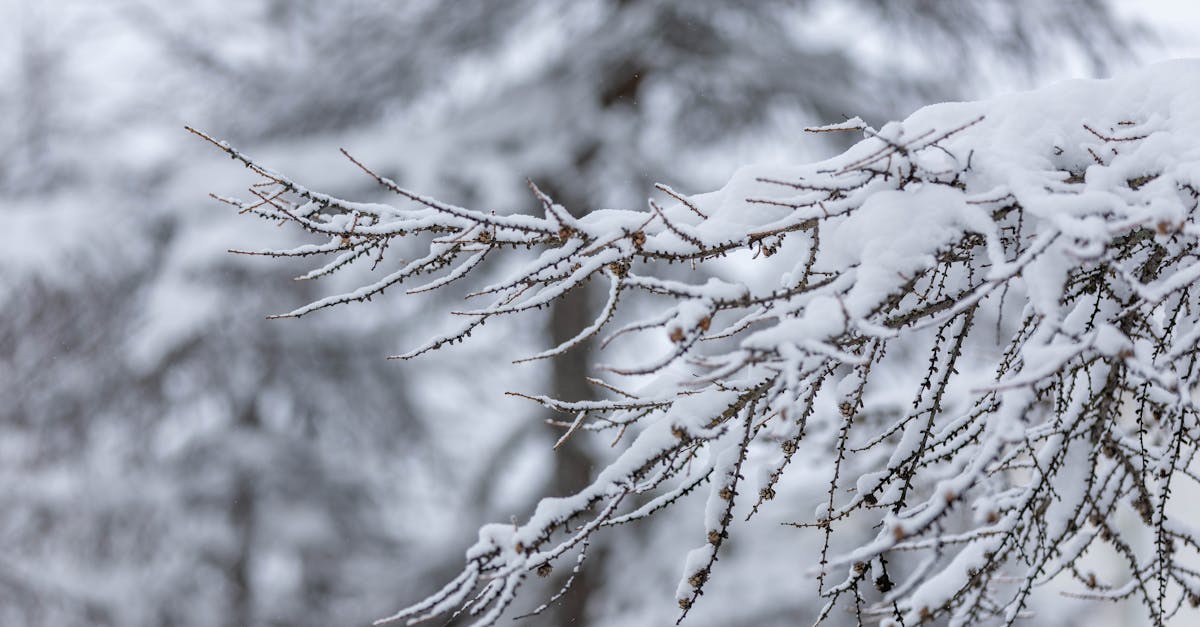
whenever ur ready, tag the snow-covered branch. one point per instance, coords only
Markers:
(991, 320)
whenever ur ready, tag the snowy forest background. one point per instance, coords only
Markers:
(170, 458)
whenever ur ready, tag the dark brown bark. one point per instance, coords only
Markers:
(572, 461)
(242, 519)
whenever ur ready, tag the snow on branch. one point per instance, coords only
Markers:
(1027, 265)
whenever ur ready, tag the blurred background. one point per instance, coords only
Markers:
(169, 458)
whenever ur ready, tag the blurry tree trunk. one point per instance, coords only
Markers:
(242, 516)
(26, 167)
(572, 461)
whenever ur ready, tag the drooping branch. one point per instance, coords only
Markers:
(1031, 285)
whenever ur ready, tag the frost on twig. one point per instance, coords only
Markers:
(1019, 273)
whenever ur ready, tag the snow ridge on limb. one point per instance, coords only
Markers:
(1033, 259)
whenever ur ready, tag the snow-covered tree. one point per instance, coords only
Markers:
(985, 329)
(156, 470)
